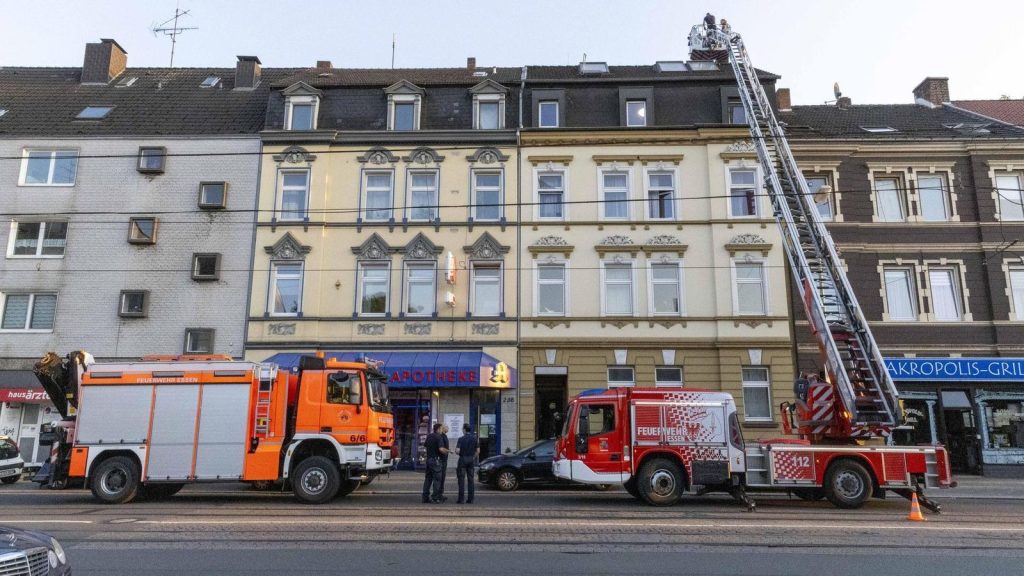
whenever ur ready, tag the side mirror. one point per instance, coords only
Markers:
(581, 444)
(355, 393)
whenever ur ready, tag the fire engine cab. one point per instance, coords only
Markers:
(147, 428)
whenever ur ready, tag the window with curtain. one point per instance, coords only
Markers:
(900, 293)
(618, 289)
(945, 294)
(287, 289)
(890, 200)
(379, 191)
(751, 292)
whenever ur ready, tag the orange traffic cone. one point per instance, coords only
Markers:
(915, 510)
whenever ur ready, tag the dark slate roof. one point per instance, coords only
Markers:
(910, 121)
(163, 101)
(383, 77)
(633, 72)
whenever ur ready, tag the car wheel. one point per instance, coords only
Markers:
(10, 479)
(661, 482)
(847, 484)
(116, 480)
(507, 480)
(809, 494)
(316, 480)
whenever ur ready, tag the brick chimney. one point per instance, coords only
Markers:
(104, 60)
(782, 100)
(471, 63)
(323, 65)
(844, 102)
(933, 90)
(247, 72)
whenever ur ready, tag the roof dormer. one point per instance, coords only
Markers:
(488, 105)
(404, 102)
(301, 106)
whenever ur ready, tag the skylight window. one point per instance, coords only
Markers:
(674, 66)
(210, 82)
(593, 67)
(126, 81)
(2, 112)
(969, 128)
(94, 112)
(879, 129)
(702, 65)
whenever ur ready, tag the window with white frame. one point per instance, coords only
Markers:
(668, 376)
(487, 195)
(420, 288)
(29, 312)
(551, 284)
(890, 200)
(489, 111)
(615, 195)
(735, 111)
(666, 285)
(751, 295)
(378, 189)
(1017, 291)
(551, 195)
(743, 193)
(636, 113)
(423, 195)
(814, 183)
(661, 195)
(286, 288)
(37, 239)
(294, 194)
(48, 168)
(933, 194)
(1011, 196)
(374, 280)
(757, 398)
(405, 112)
(621, 376)
(548, 113)
(199, 341)
(301, 112)
(946, 295)
(618, 289)
(486, 286)
(900, 292)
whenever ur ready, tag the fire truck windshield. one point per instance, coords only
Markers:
(568, 417)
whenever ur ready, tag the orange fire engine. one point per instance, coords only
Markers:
(145, 429)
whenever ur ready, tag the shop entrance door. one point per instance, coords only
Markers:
(28, 437)
(485, 417)
(550, 408)
(411, 410)
(961, 440)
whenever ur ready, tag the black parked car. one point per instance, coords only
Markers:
(531, 464)
(27, 552)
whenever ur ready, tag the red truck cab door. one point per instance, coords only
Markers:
(597, 436)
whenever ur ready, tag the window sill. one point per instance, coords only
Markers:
(26, 185)
(205, 278)
(212, 206)
(36, 331)
(284, 315)
(34, 257)
(760, 424)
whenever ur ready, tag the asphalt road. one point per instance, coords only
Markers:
(384, 529)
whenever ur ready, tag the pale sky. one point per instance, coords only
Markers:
(877, 50)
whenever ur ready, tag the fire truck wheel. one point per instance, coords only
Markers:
(506, 480)
(316, 480)
(660, 482)
(10, 479)
(348, 487)
(847, 484)
(809, 494)
(116, 480)
(630, 486)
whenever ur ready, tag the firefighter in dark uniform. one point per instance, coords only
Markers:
(468, 449)
(444, 459)
(432, 479)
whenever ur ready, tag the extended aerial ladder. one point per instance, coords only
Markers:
(858, 399)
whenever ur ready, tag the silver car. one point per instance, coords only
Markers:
(31, 553)
(11, 464)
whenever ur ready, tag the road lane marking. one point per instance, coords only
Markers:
(8, 521)
(538, 524)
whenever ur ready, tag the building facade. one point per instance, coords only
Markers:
(649, 253)
(388, 229)
(926, 211)
(127, 195)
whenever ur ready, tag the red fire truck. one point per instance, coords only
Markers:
(662, 443)
(148, 428)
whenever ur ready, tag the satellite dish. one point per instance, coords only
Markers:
(822, 194)
(836, 90)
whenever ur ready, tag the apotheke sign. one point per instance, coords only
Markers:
(956, 369)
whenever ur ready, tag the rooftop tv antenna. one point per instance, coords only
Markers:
(173, 30)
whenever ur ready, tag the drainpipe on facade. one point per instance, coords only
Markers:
(519, 252)
(252, 249)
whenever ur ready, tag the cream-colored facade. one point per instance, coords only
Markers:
(347, 261)
(656, 291)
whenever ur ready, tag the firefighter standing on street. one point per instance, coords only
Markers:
(432, 480)
(444, 458)
(468, 449)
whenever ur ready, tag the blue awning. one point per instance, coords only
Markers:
(449, 369)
